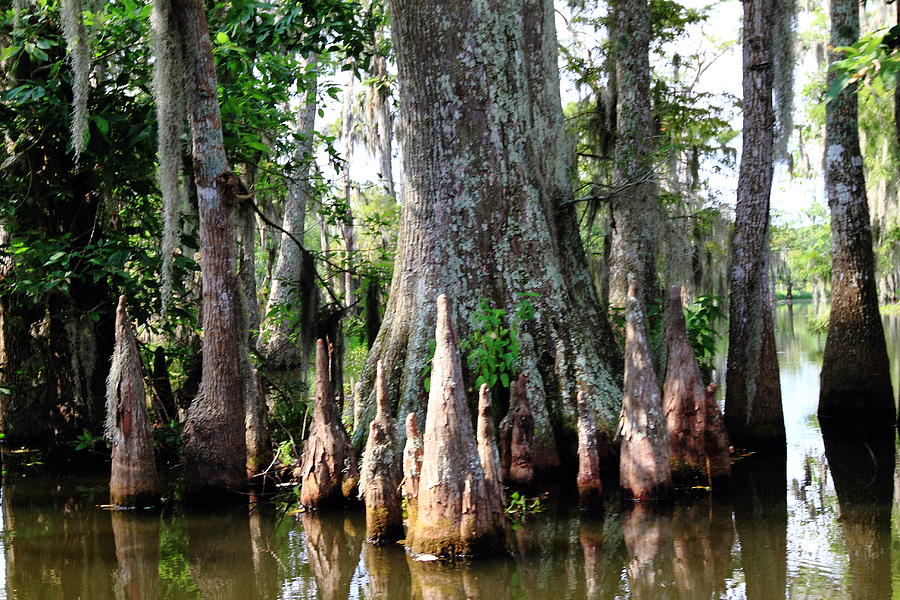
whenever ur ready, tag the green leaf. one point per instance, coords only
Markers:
(222, 38)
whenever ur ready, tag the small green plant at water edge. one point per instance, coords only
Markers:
(88, 441)
(520, 507)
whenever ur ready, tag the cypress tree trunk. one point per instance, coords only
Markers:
(753, 413)
(133, 480)
(590, 486)
(856, 382)
(483, 215)
(214, 440)
(636, 208)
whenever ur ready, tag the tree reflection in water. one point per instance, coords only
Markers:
(333, 544)
(861, 460)
(137, 554)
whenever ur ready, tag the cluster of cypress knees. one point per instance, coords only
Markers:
(451, 478)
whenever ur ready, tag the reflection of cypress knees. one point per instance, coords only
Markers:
(590, 487)
(517, 438)
(644, 469)
(412, 467)
(702, 537)
(454, 514)
(133, 481)
(381, 472)
(137, 554)
(695, 428)
(333, 546)
(489, 455)
(330, 470)
(388, 573)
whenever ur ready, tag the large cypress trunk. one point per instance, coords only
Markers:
(636, 208)
(856, 382)
(484, 213)
(214, 440)
(753, 413)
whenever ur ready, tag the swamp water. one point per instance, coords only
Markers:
(820, 525)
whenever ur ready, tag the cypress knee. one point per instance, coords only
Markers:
(330, 469)
(694, 424)
(489, 455)
(644, 470)
(412, 467)
(454, 505)
(517, 438)
(381, 473)
(133, 480)
(590, 487)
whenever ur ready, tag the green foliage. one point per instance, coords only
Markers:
(167, 437)
(520, 508)
(88, 441)
(493, 346)
(701, 318)
(872, 57)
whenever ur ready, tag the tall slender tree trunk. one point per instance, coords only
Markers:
(214, 440)
(753, 413)
(856, 382)
(636, 208)
(486, 175)
(287, 343)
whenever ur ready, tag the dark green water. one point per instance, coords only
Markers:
(819, 525)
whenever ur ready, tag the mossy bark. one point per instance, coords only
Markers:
(133, 481)
(455, 513)
(490, 456)
(330, 471)
(487, 211)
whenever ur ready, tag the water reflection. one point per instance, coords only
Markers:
(219, 555)
(137, 554)
(761, 516)
(333, 543)
(388, 572)
(862, 467)
(648, 538)
(702, 537)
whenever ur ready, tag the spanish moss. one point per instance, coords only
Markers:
(784, 38)
(78, 45)
(168, 93)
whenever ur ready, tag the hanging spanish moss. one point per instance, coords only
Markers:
(784, 37)
(78, 45)
(168, 94)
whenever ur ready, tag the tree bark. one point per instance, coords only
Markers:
(493, 223)
(133, 481)
(379, 484)
(636, 209)
(214, 440)
(645, 473)
(855, 381)
(698, 443)
(455, 505)
(517, 439)
(490, 456)
(753, 412)
(412, 468)
(330, 470)
(590, 486)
